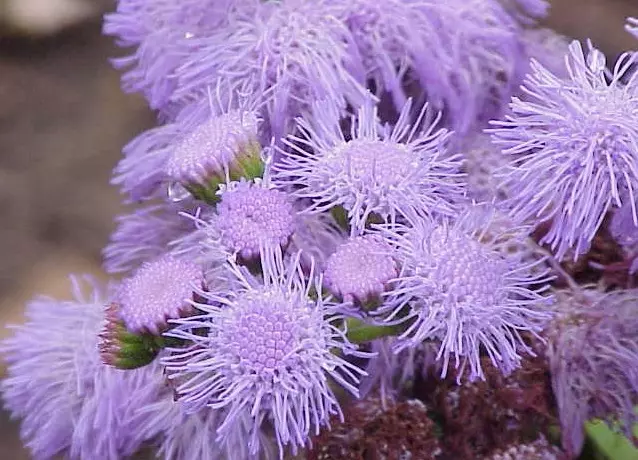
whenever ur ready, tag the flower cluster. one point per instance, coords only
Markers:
(338, 203)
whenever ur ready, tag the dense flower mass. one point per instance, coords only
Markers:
(330, 256)
(266, 354)
(575, 145)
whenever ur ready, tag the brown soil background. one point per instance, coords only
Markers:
(63, 121)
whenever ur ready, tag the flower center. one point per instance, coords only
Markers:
(374, 162)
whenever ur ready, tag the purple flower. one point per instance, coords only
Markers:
(593, 356)
(469, 63)
(182, 436)
(575, 144)
(360, 270)
(385, 35)
(226, 144)
(107, 427)
(375, 171)
(145, 234)
(632, 26)
(158, 291)
(265, 351)
(253, 215)
(210, 138)
(67, 399)
(160, 31)
(52, 360)
(463, 286)
(297, 49)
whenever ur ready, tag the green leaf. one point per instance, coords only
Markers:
(612, 445)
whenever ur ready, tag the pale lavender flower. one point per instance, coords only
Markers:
(200, 147)
(252, 215)
(470, 62)
(360, 270)
(160, 32)
(632, 26)
(184, 436)
(375, 170)
(70, 402)
(296, 48)
(463, 286)
(159, 290)
(385, 35)
(51, 361)
(267, 353)
(107, 427)
(593, 356)
(576, 145)
(145, 234)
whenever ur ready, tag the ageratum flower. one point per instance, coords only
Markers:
(184, 436)
(464, 287)
(385, 35)
(360, 270)
(375, 171)
(56, 383)
(470, 61)
(593, 356)
(212, 138)
(253, 215)
(107, 426)
(298, 49)
(160, 31)
(158, 291)
(266, 351)
(575, 142)
(145, 234)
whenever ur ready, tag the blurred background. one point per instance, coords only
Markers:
(64, 120)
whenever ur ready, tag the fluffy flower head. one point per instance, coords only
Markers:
(576, 141)
(465, 289)
(251, 215)
(360, 269)
(159, 290)
(378, 171)
(267, 355)
(212, 146)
